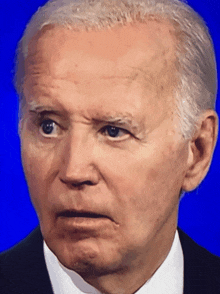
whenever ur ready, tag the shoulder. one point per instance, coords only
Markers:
(21, 255)
(196, 253)
(23, 268)
(201, 268)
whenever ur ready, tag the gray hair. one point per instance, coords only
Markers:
(197, 77)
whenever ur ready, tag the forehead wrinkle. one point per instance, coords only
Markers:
(106, 77)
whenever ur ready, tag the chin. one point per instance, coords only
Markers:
(85, 257)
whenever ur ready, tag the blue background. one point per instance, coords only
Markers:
(199, 214)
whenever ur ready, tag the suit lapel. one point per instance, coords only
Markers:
(199, 270)
(25, 268)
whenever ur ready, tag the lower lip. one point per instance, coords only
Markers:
(83, 223)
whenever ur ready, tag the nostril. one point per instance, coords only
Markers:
(79, 184)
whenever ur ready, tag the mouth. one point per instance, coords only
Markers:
(83, 223)
(81, 214)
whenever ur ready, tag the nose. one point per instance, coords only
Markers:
(78, 167)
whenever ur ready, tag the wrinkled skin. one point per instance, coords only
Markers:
(100, 136)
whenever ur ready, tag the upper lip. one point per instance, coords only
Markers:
(81, 213)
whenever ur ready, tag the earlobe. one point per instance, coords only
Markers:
(201, 148)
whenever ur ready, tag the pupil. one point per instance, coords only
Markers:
(47, 126)
(113, 131)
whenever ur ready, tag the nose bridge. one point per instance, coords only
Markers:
(77, 160)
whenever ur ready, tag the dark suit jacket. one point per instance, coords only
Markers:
(23, 269)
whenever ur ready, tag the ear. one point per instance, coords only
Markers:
(201, 147)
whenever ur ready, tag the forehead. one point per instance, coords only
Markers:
(134, 46)
(114, 67)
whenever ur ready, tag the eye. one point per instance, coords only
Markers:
(49, 128)
(114, 132)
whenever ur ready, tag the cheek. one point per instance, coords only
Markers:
(37, 164)
(146, 203)
(38, 158)
(144, 186)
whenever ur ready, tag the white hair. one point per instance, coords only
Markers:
(197, 77)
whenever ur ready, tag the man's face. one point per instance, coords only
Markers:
(101, 146)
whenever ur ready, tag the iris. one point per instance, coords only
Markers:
(47, 126)
(112, 131)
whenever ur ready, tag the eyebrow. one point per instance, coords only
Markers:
(43, 109)
(118, 119)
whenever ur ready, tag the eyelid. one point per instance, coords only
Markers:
(119, 138)
(44, 114)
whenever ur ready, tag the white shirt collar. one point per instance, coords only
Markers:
(167, 279)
